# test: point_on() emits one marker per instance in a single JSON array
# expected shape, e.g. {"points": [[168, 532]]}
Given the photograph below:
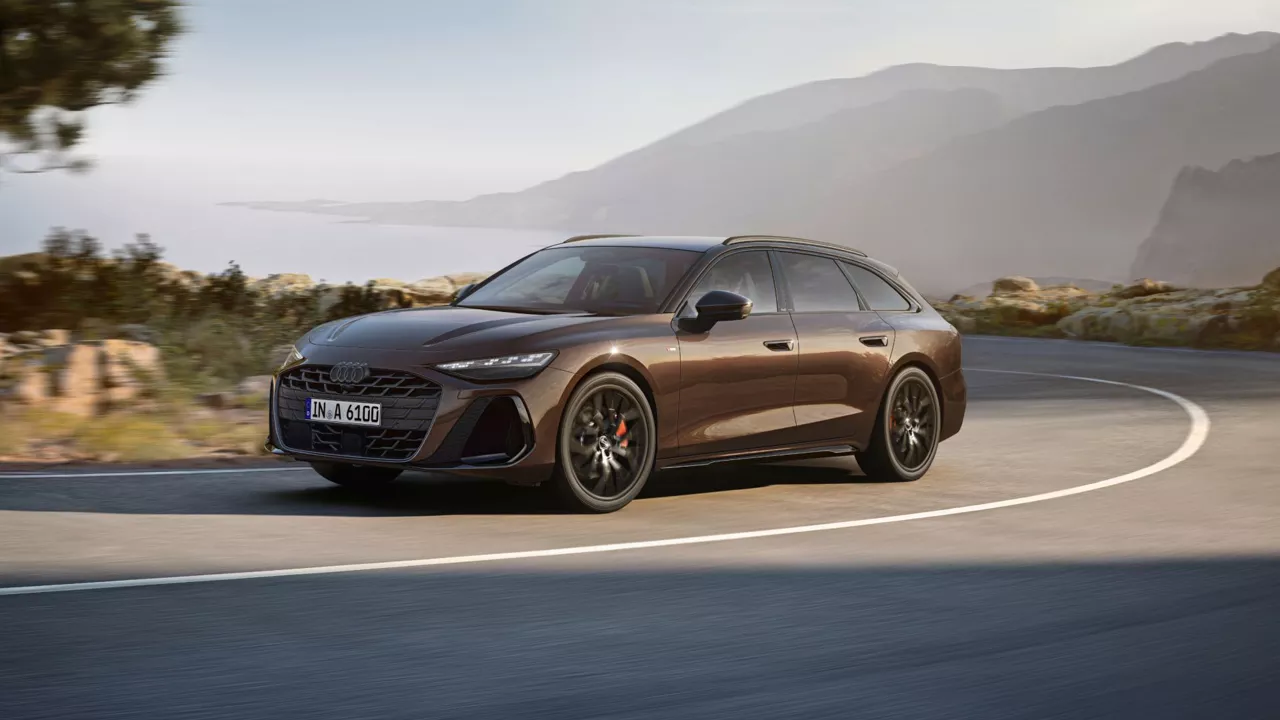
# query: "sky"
{"points": [[415, 99], [402, 100]]}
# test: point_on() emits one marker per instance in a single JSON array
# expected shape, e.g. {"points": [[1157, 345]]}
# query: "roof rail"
{"points": [[797, 240], [576, 238]]}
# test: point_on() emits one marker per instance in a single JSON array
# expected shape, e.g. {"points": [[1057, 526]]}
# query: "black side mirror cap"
{"points": [[717, 306]]}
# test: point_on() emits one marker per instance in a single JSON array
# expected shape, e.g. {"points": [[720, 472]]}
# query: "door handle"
{"points": [[875, 341], [780, 345]]}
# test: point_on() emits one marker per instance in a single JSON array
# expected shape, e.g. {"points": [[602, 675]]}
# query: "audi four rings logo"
{"points": [[348, 373]]}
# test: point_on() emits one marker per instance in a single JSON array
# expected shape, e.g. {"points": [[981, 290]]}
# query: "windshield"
{"points": [[593, 279]]}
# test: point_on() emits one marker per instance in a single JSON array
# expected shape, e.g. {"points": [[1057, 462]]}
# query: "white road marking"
{"points": [[1195, 439], [144, 473]]}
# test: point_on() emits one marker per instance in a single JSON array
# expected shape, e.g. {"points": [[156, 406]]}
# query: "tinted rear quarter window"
{"points": [[817, 284], [878, 293]]}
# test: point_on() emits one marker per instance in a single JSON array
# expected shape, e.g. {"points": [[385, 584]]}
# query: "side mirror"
{"points": [[718, 306], [462, 292]]}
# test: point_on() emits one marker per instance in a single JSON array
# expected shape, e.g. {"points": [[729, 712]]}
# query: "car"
{"points": [[590, 364]]}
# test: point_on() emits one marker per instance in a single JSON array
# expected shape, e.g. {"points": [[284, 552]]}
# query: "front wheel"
{"points": [[360, 477], [606, 446], [905, 439]]}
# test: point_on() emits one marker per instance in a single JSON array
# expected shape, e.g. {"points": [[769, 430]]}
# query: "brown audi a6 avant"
{"points": [[592, 363]]}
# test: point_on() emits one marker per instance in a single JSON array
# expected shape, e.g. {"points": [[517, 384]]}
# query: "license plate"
{"points": [[341, 411]]}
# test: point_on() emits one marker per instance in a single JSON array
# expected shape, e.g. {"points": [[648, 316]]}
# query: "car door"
{"points": [[737, 380], [845, 349]]}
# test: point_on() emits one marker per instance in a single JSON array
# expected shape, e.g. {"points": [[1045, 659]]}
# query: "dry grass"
{"points": [[131, 436]]}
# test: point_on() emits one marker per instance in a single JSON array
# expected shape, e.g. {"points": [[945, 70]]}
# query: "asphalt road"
{"points": [[1152, 598]]}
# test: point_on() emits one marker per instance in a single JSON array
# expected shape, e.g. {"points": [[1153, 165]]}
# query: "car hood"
{"points": [[440, 328]]}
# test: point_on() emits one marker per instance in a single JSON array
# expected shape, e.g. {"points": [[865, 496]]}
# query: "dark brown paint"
{"points": [[721, 393]]}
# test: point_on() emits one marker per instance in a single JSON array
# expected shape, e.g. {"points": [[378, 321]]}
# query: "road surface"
{"points": [[1155, 596]]}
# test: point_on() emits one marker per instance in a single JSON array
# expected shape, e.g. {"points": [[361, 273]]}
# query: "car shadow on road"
{"points": [[415, 494], [423, 494]]}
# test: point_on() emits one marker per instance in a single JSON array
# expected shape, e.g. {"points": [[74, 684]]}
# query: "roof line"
{"points": [[576, 238], [733, 240]]}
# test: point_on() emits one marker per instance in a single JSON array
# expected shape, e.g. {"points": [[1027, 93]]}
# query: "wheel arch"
{"points": [[918, 360]]}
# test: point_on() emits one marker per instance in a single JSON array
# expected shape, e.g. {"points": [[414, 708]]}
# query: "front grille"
{"points": [[408, 403], [379, 384], [369, 443]]}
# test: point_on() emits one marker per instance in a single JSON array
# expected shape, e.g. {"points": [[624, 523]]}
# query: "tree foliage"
{"points": [[59, 58]]}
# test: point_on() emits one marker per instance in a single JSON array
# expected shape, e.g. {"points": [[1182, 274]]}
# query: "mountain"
{"points": [[1023, 90], [1066, 191], [1217, 228], [738, 146], [954, 174]]}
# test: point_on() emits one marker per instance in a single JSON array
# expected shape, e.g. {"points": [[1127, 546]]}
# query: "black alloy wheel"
{"points": [[905, 440], [607, 444]]}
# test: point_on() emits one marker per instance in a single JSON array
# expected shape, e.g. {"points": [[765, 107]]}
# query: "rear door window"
{"points": [[817, 284]]}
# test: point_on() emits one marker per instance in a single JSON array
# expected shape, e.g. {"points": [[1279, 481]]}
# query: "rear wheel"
{"points": [[361, 477], [905, 439], [606, 445]]}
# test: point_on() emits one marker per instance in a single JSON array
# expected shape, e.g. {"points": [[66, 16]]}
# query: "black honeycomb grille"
{"points": [[409, 405]]}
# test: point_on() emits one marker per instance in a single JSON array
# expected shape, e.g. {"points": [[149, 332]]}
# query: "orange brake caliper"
{"points": [[622, 430]]}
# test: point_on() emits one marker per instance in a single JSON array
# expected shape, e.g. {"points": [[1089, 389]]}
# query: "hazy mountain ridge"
{"points": [[1217, 227], [1028, 89], [954, 185], [1070, 190]]}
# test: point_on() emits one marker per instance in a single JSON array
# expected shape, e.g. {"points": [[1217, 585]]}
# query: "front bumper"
{"points": [[504, 430]]}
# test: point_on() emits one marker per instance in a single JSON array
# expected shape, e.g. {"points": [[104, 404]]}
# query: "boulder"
{"points": [[77, 381], [1271, 280], [127, 366], [1143, 288], [285, 284], [54, 338], [31, 386], [1013, 285]]}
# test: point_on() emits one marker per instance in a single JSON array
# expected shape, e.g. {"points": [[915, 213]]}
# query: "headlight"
{"points": [[294, 358], [506, 367]]}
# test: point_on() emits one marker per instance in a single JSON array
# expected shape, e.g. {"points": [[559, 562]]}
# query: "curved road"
{"points": [[1153, 598]]}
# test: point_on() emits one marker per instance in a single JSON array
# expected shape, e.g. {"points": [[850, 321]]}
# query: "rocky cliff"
{"points": [[1218, 227]]}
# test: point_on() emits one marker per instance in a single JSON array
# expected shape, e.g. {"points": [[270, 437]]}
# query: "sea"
{"points": [[198, 233]]}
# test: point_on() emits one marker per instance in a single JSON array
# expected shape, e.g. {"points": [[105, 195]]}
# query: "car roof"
{"points": [[702, 243], [698, 243]]}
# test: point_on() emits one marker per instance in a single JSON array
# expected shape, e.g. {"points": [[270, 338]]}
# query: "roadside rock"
{"points": [[1142, 288], [1013, 285], [285, 284], [54, 338], [1271, 280], [77, 380], [32, 386]]}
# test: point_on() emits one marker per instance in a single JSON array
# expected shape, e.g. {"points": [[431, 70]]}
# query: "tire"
{"points": [[606, 445], [359, 477], [905, 439]]}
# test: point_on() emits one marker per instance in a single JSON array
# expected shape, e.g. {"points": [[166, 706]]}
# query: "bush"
{"points": [[211, 331]]}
